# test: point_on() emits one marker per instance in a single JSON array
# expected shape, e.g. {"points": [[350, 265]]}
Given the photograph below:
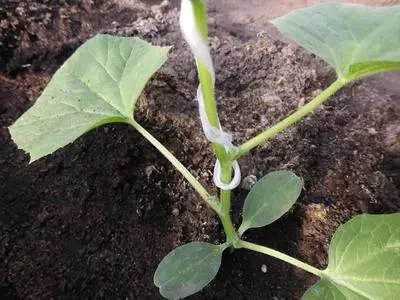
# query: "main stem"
{"points": [[207, 88], [226, 165], [208, 91], [225, 214], [281, 256], [178, 165], [290, 120]]}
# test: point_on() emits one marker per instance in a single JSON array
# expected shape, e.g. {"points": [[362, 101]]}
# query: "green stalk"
{"points": [[210, 105], [226, 164], [225, 215], [281, 256], [211, 200], [208, 91], [290, 120], [206, 81], [200, 12]]}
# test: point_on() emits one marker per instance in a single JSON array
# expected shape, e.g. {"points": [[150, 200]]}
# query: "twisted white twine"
{"points": [[199, 47], [236, 178]]}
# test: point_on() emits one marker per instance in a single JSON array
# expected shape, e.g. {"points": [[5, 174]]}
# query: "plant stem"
{"points": [[207, 88], [200, 11], [211, 200], [281, 256], [225, 215], [290, 120], [206, 78]]}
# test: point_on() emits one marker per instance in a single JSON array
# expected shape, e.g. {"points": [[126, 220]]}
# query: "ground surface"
{"points": [[93, 220]]}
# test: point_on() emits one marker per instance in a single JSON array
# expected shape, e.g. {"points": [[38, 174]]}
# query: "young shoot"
{"points": [[101, 82]]}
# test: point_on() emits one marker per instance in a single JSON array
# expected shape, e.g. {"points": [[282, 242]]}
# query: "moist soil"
{"points": [[93, 220]]}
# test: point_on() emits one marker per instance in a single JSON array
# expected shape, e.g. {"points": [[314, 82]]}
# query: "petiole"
{"points": [[281, 256], [290, 120], [211, 200]]}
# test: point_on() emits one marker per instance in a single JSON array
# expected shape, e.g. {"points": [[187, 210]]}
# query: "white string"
{"points": [[202, 54], [214, 135], [193, 37], [217, 176]]}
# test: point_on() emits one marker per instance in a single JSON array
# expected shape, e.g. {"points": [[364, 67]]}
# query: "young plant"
{"points": [[101, 82]]}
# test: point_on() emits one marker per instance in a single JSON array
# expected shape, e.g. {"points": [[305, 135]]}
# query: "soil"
{"points": [[93, 220]]}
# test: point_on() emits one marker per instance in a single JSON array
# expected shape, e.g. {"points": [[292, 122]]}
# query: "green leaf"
{"points": [[364, 261], [188, 269], [357, 40], [270, 198], [327, 290], [100, 83]]}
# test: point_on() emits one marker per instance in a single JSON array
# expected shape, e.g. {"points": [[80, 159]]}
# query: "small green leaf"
{"points": [[270, 198], [188, 269], [100, 83], [357, 40], [364, 261]]}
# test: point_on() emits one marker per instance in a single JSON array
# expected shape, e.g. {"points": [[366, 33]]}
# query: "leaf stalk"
{"points": [[281, 256], [290, 120], [211, 200]]}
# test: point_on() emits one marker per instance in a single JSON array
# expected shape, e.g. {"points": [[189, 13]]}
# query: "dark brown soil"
{"points": [[93, 220]]}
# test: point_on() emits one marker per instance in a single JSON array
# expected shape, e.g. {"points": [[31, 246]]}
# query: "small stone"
{"points": [[372, 131], [165, 5], [264, 268], [248, 182], [301, 103], [391, 139], [271, 99], [175, 212], [316, 212], [316, 93], [161, 8], [149, 171]]}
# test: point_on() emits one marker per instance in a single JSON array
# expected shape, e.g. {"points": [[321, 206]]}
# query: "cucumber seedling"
{"points": [[101, 82]]}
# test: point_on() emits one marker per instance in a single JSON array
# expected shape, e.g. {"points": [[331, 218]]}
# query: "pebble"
{"points": [[372, 131], [175, 212], [248, 182], [271, 99], [264, 268]]}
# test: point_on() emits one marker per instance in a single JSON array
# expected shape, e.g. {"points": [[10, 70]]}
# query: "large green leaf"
{"points": [[364, 261], [357, 40], [100, 83], [328, 290], [188, 269], [270, 198]]}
